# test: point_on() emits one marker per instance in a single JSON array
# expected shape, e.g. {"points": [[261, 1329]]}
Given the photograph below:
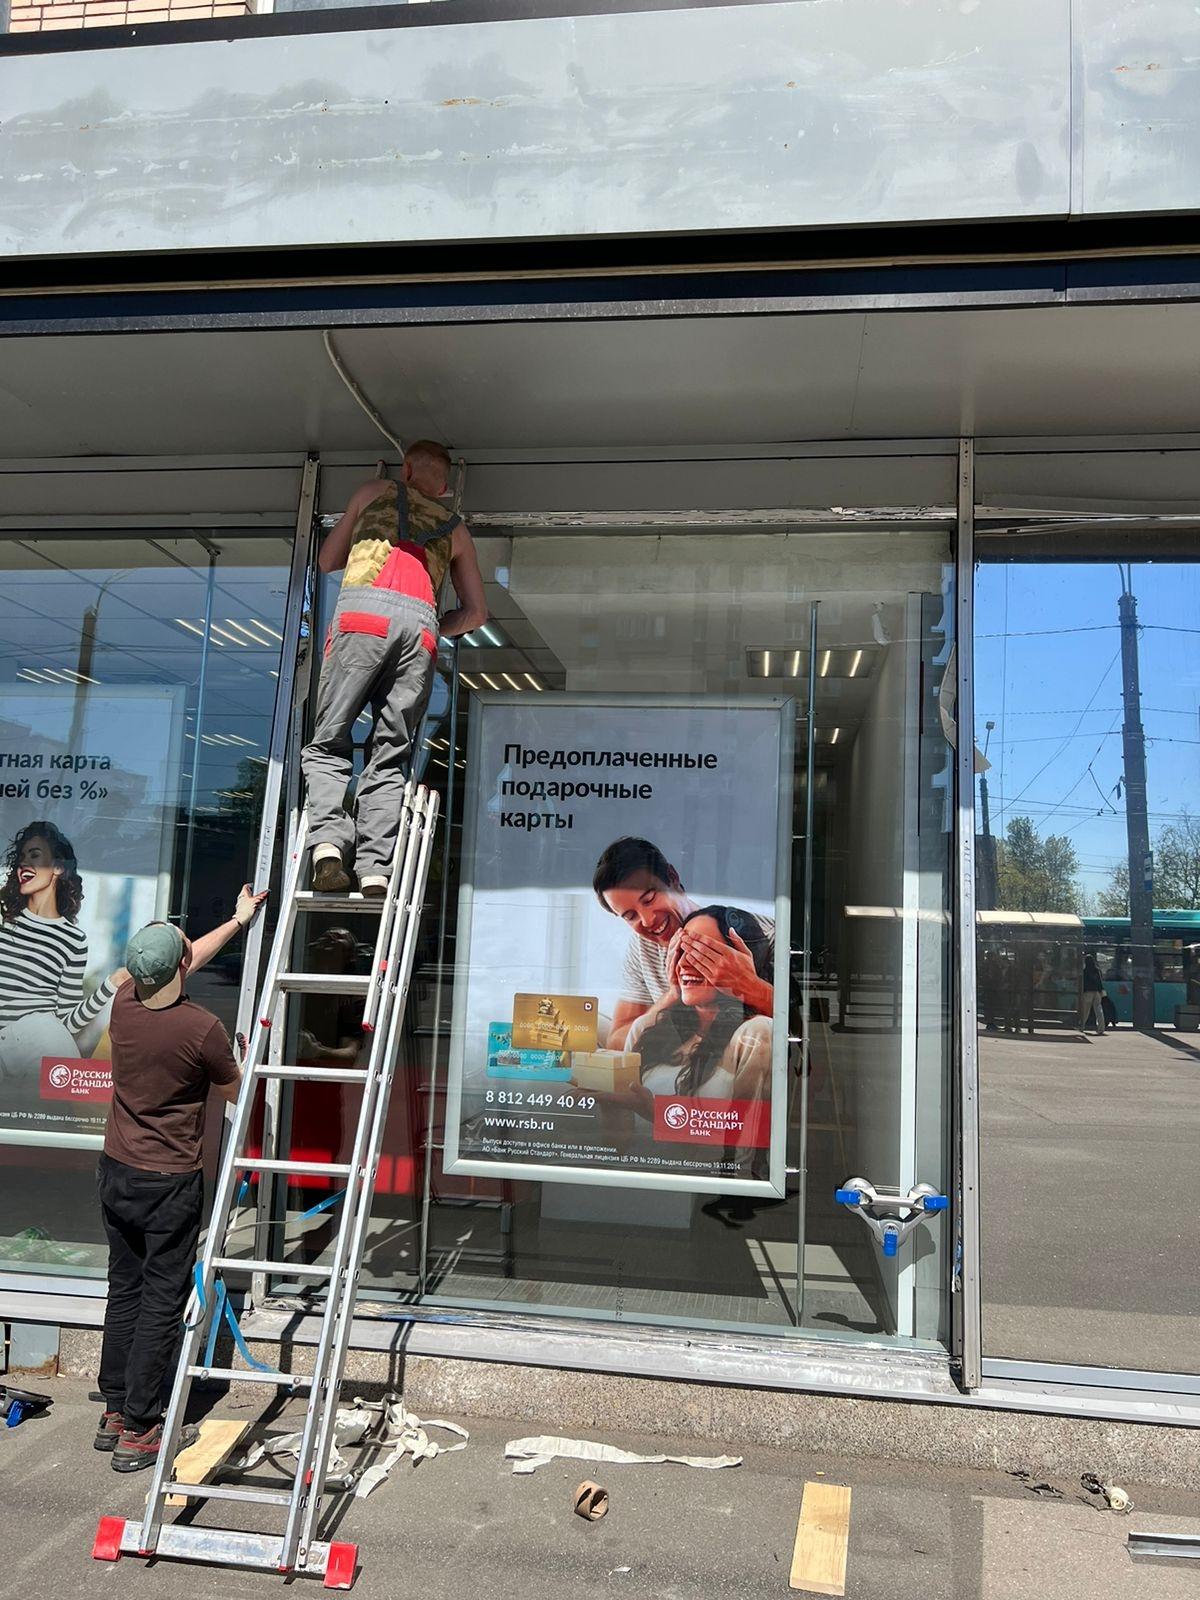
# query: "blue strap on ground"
{"points": [[214, 1326], [201, 1301], [222, 1308], [240, 1341], [322, 1205]]}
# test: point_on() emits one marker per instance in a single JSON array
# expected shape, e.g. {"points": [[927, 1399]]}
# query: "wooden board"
{"points": [[196, 1464], [822, 1540]]}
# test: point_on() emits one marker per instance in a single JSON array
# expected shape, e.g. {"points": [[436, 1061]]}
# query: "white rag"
{"points": [[373, 1423], [527, 1455]]}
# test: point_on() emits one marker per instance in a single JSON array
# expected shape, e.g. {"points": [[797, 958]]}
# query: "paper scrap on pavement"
{"points": [[527, 1455]]}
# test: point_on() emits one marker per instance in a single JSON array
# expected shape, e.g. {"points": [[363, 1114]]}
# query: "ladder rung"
{"points": [[287, 1269], [221, 1491], [324, 982], [293, 1380], [309, 900], [301, 1169], [315, 1074]]}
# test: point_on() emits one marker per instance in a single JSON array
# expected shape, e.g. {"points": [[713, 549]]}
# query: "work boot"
{"points": [[112, 1426], [374, 886], [135, 1451], [329, 875]]}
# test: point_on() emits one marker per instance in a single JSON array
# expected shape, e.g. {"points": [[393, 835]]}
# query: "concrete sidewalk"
{"points": [[464, 1525]]}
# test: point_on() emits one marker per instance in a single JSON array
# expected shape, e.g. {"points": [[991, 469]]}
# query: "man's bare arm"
{"points": [[230, 1091], [467, 579], [333, 553], [212, 943]]}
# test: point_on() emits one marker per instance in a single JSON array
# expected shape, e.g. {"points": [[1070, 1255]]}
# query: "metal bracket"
{"points": [[898, 1215]]}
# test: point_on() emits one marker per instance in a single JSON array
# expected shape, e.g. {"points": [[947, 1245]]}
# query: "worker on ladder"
{"points": [[396, 544]]}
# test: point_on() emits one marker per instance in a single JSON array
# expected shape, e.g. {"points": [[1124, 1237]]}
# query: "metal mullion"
{"points": [[967, 1331], [280, 766], [810, 811], [431, 1129]]}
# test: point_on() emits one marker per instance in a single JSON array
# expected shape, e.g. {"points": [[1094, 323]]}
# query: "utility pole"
{"points": [[83, 673], [988, 885], [1137, 821]]}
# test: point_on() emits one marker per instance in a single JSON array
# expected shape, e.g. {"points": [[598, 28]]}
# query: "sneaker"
{"points": [[134, 1451], [112, 1426], [330, 876]]}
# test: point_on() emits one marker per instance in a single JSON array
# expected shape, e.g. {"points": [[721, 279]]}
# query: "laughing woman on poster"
{"points": [[706, 1044], [43, 958]]}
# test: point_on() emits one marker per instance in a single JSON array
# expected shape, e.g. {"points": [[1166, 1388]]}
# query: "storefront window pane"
{"points": [[718, 622], [1087, 660], [137, 686]]}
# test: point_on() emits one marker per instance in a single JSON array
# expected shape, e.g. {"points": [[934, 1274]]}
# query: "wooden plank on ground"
{"points": [[822, 1540], [198, 1463]]}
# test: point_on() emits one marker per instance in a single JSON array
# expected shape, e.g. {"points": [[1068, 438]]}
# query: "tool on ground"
{"points": [[1164, 1546], [17, 1404], [295, 1550], [899, 1213]]}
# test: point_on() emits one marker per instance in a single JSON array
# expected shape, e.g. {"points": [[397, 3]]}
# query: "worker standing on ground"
{"points": [[166, 1053], [396, 545]]}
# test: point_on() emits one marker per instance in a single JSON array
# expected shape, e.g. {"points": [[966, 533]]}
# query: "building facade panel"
{"points": [[776, 116]]}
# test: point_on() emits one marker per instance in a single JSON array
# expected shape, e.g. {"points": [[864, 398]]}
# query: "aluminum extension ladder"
{"points": [[295, 1550]]}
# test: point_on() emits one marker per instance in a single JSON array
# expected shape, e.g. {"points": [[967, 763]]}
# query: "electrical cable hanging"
{"points": [[357, 394]]}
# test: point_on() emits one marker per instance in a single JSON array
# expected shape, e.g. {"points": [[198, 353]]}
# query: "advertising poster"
{"points": [[89, 783], [620, 1005]]}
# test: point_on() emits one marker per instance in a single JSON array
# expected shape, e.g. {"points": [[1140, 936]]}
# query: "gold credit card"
{"points": [[554, 1022]]}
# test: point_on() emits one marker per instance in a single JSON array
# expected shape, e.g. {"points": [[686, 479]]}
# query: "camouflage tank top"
{"points": [[402, 542]]}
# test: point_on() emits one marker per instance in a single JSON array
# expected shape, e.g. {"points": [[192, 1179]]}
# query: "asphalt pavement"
{"points": [[464, 1525]]}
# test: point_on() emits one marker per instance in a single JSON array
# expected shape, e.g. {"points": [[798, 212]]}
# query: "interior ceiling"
{"points": [[557, 386]]}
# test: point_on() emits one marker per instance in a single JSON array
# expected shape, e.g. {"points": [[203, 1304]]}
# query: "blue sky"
{"points": [[1048, 673]]}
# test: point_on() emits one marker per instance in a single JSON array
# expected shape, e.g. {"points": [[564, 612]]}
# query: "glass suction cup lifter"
{"points": [[891, 1217]]}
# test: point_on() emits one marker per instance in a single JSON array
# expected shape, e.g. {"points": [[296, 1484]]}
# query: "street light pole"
{"points": [[1137, 821], [989, 887]]}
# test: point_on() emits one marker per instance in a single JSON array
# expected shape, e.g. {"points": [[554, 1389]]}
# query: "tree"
{"points": [[1035, 874], [1176, 871]]}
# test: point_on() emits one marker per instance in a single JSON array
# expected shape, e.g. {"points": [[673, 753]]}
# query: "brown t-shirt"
{"points": [[163, 1063]]}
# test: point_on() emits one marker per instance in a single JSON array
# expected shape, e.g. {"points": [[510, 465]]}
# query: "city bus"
{"points": [[1176, 961]]}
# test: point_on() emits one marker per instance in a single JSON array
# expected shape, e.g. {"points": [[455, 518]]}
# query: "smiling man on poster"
{"points": [[635, 881]]}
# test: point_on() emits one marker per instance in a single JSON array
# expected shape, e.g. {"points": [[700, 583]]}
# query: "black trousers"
{"points": [[152, 1220]]}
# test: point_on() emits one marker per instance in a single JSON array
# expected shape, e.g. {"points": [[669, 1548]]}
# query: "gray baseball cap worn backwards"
{"points": [[153, 956]]}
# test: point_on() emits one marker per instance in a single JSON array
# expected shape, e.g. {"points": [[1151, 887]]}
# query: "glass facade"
{"points": [[138, 678], [1086, 658], [861, 1020], [137, 689]]}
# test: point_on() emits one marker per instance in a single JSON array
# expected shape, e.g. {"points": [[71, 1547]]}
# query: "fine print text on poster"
{"points": [[89, 781], [619, 1012]]}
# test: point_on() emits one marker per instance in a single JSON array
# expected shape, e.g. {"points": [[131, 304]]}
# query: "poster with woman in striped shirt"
{"points": [[44, 1011], [90, 785]]}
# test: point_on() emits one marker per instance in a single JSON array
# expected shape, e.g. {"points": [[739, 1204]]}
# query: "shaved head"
{"points": [[428, 465]]}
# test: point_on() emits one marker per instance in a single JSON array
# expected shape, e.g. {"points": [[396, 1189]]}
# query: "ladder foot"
{"points": [[107, 1545], [341, 1566]]}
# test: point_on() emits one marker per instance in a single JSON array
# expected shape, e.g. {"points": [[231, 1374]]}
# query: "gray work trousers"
{"points": [[381, 653]]}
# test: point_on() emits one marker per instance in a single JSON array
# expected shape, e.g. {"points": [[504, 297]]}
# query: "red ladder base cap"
{"points": [[340, 1567], [107, 1546]]}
